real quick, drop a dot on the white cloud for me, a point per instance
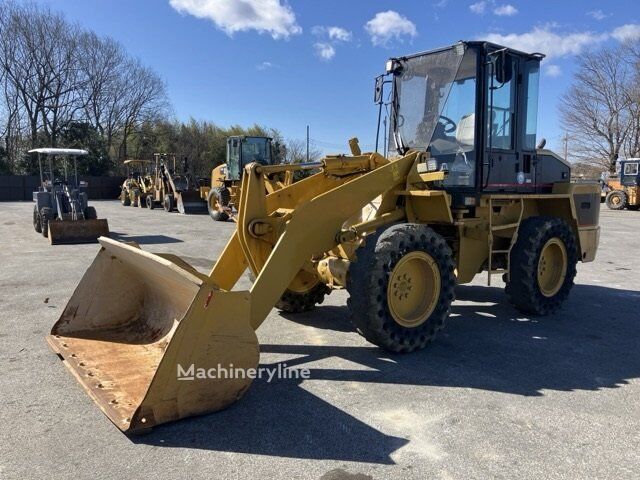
(505, 10)
(546, 40)
(552, 70)
(554, 44)
(338, 33)
(478, 8)
(324, 50)
(630, 31)
(265, 16)
(598, 14)
(264, 65)
(388, 25)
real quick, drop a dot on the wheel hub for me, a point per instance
(413, 289)
(552, 267)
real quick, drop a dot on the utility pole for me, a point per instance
(565, 139)
(307, 143)
(384, 139)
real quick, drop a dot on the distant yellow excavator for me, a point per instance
(464, 191)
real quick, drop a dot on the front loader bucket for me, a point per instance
(140, 331)
(77, 231)
(190, 202)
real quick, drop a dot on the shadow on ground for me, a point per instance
(144, 239)
(590, 344)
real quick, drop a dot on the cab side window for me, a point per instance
(501, 110)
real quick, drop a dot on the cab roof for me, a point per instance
(59, 151)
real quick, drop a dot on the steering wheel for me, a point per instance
(449, 125)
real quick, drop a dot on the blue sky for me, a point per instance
(289, 64)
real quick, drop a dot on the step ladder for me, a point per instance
(495, 228)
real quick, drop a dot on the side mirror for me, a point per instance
(377, 94)
(504, 67)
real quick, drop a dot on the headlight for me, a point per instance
(391, 65)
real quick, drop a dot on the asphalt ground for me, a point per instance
(498, 395)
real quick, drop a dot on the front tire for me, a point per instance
(45, 216)
(36, 220)
(168, 203)
(150, 203)
(124, 199)
(90, 213)
(216, 198)
(542, 266)
(616, 200)
(401, 287)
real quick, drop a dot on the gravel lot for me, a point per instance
(498, 395)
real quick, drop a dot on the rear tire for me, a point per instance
(45, 216)
(616, 200)
(150, 203)
(134, 198)
(296, 302)
(36, 220)
(543, 265)
(388, 266)
(218, 197)
(168, 203)
(90, 213)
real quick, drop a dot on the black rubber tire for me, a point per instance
(633, 207)
(168, 203)
(294, 302)
(223, 196)
(36, 220)
(150, 203)
(623, 200)
(368, 280)
(136, 198)
(45, 216)
(143, 202)
(522, 287)
(90, 213)
(124, 199)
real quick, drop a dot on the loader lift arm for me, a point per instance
(279, 232)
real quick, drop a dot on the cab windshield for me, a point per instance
(256, 150)
(434, 110)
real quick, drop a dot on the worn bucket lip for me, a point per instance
(110, 412)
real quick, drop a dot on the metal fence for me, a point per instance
(21, 187)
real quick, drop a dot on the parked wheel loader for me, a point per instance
(138, 183)
(61, 211)
(464, 191)
(624, 189)
(223, 195)
(173, 190)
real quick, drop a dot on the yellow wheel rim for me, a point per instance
(413, 289)
(303, 282)
(552, 267)
(615, 199)
(213, 202)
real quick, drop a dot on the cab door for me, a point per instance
(500, 152)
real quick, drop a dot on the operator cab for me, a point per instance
(630, 172)
(242, 150)
(473, 107)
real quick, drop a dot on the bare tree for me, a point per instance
(595, 110)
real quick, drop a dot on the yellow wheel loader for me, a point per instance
(223, 195)
(464, 191)
(173, 191)
(137, 184)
